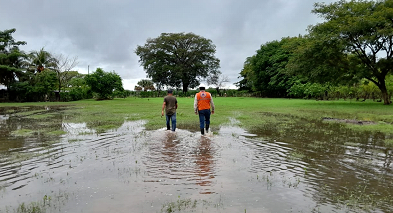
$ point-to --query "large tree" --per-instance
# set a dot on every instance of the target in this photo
(354, 42)
(265, 71)
(104, 84)
(11, 58)
(179, 59)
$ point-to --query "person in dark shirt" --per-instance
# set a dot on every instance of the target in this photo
(170, 106)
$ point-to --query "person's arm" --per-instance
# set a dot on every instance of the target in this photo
(163, 107)
(212, 104)
(196, 105)
(176, 104)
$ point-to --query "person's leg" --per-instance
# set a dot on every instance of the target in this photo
(173, 118)
(168, 127)
(202, 121)
(207, 119)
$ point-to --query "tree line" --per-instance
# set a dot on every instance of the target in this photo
(349, 55)
(42, 76)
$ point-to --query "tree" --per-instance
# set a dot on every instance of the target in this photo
(218, 81)
(104, 83)
(63, 67)
(39, 60)
(11, 58)
(44, 84)
(178, 59)
(73, 79)
(354, 42)
(247, 74)
(146, 84)
(265, 71)
(137, 88)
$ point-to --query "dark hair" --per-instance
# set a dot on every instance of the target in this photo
(201, 88)
(170, 91)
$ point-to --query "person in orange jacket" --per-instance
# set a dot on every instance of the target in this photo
(202, 103)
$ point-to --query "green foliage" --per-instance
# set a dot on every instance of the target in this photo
(248, 76)
(122, 94)
(265, 71)
(353, 43)
(178, 59)
(40, 60)
(39, 87)
(103, 84)
(76, 88)
(12, 60)
(77, 93)
(309, 90)
(146, 84)
(363, 90)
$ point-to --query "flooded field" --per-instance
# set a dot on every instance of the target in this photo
(50, 165)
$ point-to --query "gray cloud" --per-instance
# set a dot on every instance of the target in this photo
(106, 33)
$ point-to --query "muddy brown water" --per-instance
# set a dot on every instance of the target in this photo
(303, 166)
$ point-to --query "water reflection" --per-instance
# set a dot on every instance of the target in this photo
(181, 158)
(342, 166)
(282, 166)
(205, 162)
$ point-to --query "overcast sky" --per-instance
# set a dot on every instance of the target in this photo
(106, 33)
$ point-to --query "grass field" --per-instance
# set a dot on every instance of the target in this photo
(251, 112)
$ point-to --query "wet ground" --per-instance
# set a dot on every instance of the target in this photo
(50, 165)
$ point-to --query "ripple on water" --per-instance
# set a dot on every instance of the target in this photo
(232, 170)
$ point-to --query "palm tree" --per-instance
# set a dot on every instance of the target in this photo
(39, 60)
(146, 84)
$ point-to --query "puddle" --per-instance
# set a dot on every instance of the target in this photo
(303, 166)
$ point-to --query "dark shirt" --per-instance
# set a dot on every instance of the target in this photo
(170, 105)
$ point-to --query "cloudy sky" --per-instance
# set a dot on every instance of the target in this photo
(105, 33)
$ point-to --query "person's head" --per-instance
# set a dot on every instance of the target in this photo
(170, 92)
(202, 88)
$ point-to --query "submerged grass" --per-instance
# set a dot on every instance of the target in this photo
(389, 142)
(180, 205)
(22, 132)
(251, 112)
(57, 132)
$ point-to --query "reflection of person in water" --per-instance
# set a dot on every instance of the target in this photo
(169, 149)
(204, 162)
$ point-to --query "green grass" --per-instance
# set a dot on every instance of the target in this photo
(42, 116)
(22, 132)
(389, 142)
(28, 113)
(251, 112)
(180, 205)
(57, 132)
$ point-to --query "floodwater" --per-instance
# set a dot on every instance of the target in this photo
(302, 166)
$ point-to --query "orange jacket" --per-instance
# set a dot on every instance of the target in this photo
(203, 100)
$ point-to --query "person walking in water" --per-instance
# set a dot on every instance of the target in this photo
(170, 106)
(202, 104)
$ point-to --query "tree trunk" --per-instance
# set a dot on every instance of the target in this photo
(384, 91)
(58, 97)
(385, 97)
(185, 88)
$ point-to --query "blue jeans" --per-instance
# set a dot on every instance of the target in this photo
(204, 116)
(173, 119)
